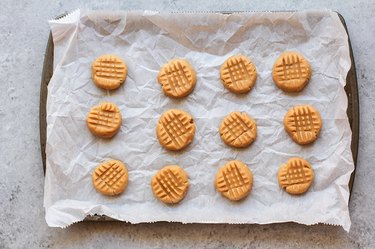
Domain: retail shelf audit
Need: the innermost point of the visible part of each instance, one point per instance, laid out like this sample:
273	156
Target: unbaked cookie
296	176
110	178
238	74
109	72
291	72
303	124
104	120
175	129
170	184
177	78
238	130
234	180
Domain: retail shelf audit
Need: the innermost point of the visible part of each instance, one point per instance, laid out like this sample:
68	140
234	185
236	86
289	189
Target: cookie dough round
177	78
238	74
170	184
110	178
175	129
296	176
109	72
291	72
238	129
104	120
303	124
234	180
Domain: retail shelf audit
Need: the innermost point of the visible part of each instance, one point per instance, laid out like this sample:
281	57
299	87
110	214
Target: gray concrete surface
23	36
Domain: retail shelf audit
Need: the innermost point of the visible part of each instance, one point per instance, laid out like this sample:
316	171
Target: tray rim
351	89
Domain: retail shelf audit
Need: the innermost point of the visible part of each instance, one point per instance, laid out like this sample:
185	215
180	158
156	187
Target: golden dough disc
238	74
291	72
110	178
104	120
238	130
303	124
170	184
175	129
234	180
177	78
109	72
296	176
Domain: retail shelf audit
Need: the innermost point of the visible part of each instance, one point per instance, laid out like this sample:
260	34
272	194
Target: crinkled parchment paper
147	40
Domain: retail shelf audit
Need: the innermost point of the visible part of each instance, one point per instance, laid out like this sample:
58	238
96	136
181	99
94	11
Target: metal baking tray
351	90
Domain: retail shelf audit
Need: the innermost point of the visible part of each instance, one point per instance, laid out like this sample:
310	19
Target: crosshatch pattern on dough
238	129
110	178
234	180
303	124
109	72
296	176
291	72
104	120
170	184
175	129
238	74
177	78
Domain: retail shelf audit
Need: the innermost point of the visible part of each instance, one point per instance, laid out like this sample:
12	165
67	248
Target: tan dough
238	74
175	129
238	130
110	178
104	120
291	72
303	124
170	184
234	180
109	72
296	176
177	78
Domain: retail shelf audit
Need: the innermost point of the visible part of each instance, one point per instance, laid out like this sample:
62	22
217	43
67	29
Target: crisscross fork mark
168	184
102	173
182	74
303	122
232	127
297	166
291	68
172	80
115	179
311	120
101	119
233	178
111	69
169	133
178	123
237	71
174	127
176	77
107	175
109	65
244	125
111	175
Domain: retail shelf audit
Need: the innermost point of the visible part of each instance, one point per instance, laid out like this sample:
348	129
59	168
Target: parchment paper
147	40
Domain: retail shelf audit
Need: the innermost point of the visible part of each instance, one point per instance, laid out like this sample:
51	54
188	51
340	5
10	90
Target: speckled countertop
23	36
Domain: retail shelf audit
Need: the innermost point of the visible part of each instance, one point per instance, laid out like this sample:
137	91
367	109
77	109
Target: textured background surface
23	36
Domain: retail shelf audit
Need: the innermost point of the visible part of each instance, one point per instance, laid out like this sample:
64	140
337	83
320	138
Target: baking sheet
265	103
